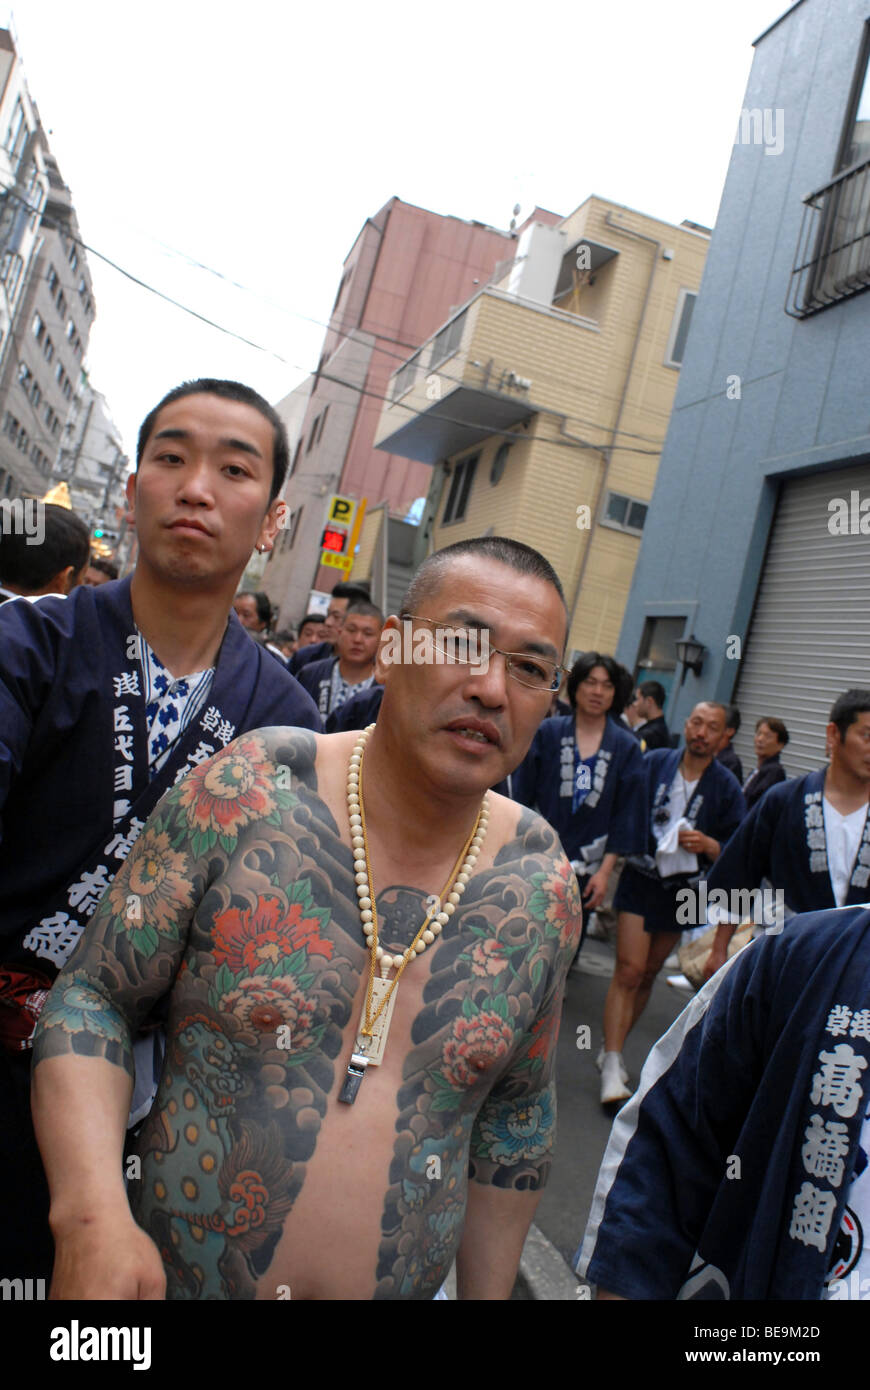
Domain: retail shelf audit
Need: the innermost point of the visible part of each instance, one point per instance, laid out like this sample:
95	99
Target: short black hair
732	718
776	726
264	607
285	635
514	554
27	565
847	707
311	618
653	690
623	685
352	592
365	609
228	391
104	566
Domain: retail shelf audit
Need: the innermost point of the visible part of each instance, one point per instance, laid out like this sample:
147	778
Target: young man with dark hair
106	700
300	1145
652	732
56	564
808	838
693	805
726	754
333	681
310	630
584	773
342	595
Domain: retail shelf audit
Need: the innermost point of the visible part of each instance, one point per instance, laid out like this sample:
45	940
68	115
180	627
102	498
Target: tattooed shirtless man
240	902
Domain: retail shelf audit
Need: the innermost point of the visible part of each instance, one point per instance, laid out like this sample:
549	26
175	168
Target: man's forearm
497	1221
80	1108
82	1083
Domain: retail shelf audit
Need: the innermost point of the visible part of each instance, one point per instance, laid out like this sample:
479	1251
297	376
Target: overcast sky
256	137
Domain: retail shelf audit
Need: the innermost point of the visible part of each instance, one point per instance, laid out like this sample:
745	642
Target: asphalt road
583	1127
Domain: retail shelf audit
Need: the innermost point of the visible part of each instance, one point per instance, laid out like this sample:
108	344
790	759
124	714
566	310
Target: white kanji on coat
837	1083
838	1020
54	939
120	845
860	1027
122	720
826	1145
124	778
813	817
89	889
811	1216
203	752
221	728
127	683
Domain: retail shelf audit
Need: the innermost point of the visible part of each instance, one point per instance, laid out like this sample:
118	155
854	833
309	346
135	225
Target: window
624	513
498	463
10	272
832	261
53	281
460	487
61	305
73	258
680	330
48	349
38	328
294	527
322	423
17	133
313	435
657	656
295	458
406	376
445	343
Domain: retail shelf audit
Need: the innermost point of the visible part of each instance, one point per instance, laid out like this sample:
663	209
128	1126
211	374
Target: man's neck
589	724
184	626
354	674
692	767
844	790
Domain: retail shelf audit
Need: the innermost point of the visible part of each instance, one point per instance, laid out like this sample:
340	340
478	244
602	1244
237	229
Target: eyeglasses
461	646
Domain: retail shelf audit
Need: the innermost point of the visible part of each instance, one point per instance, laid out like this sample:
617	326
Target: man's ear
274	521
130	491
389	648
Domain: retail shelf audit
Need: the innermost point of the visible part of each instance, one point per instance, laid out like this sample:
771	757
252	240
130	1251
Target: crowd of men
203	897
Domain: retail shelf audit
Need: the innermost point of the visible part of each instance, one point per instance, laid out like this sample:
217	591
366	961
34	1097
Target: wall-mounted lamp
691	653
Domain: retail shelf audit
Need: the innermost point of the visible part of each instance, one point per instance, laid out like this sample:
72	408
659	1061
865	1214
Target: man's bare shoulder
521	832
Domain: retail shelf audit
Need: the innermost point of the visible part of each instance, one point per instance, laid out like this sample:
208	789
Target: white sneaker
613	1088
623	1069
680	982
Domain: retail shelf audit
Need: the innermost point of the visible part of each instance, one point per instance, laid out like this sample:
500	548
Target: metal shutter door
809	639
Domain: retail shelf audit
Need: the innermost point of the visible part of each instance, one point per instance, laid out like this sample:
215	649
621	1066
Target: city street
583	1127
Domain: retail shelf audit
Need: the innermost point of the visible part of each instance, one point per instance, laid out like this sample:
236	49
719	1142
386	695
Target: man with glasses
283	1157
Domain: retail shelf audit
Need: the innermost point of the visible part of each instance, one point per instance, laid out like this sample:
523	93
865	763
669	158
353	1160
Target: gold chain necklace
374	1026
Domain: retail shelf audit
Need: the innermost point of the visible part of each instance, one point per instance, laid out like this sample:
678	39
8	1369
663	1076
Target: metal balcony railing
832	261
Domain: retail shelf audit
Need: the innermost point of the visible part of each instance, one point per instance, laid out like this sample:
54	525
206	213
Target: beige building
542	405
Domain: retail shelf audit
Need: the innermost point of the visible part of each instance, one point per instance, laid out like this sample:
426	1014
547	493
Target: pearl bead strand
434	923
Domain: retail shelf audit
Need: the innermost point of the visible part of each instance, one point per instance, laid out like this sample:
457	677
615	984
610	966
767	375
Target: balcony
832	261
475	376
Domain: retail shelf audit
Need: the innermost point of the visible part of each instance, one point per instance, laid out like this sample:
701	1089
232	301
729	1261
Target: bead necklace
371	1039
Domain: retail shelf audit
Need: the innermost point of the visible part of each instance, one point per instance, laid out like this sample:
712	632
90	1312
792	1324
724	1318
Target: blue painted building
753	542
